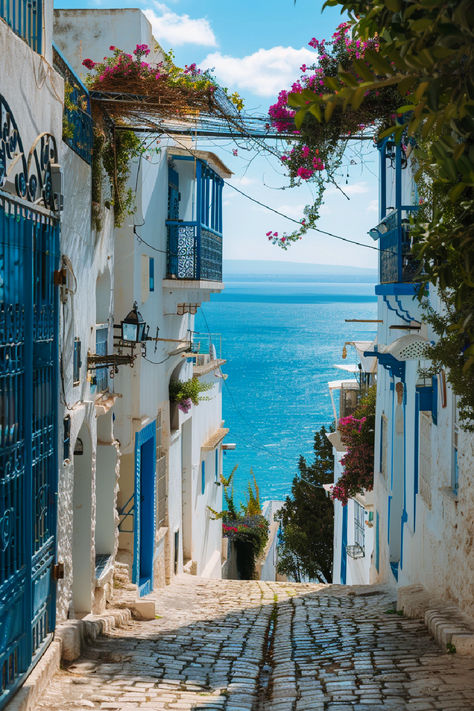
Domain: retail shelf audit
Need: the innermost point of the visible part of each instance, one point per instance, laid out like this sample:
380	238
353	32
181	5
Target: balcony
397	264
194	252
77	119
25	19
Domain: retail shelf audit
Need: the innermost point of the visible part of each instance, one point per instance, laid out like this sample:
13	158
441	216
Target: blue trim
377	541
434	404
410	289
403	309
343	546
394	569
404	512
396	311
76	76
151	274
388	361
203	477
217	464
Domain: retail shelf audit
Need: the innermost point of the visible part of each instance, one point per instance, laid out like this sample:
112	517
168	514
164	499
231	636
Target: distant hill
247	268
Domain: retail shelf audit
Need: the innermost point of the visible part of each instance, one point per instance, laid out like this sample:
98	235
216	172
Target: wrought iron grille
28	436
359	526
193	252
211	256
77	124
25	19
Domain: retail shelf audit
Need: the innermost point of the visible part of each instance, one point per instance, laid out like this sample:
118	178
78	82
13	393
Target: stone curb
443	620
70	637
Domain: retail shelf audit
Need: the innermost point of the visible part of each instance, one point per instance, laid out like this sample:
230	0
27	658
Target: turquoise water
281	340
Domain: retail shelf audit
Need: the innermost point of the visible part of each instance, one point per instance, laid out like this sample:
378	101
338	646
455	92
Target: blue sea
281	337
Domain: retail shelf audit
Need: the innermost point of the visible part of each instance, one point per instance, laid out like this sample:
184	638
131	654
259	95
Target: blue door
29	365
145	484
343	545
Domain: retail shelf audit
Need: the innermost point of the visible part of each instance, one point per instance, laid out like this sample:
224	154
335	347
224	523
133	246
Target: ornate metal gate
29	250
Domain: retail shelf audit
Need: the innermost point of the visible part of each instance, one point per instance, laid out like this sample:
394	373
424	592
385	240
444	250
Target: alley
256	646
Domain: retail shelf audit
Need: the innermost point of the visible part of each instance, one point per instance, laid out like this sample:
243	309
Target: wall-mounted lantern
133	327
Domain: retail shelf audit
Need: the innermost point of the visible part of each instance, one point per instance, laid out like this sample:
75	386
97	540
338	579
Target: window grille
359	525
77	362
161	491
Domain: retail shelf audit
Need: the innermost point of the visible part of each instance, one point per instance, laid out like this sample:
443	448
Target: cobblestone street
254	646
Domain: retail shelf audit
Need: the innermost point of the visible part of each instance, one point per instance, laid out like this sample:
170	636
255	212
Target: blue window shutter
151	274
203	477
217	464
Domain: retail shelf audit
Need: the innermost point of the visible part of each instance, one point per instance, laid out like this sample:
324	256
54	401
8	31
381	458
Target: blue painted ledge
410	289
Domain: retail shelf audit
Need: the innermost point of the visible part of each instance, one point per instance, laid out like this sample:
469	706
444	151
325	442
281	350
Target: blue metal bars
25	19
195	246
28	436
193	252
77	121
398	197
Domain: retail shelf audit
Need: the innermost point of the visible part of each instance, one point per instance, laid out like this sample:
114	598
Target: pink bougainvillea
357	434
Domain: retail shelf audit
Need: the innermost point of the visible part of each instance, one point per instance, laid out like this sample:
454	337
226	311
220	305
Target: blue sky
256	48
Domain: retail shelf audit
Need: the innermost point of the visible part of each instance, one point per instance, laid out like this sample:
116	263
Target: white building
421	509
424	460
168	260
353	541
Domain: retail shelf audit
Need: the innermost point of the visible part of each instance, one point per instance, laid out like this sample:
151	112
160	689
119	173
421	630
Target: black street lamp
134	329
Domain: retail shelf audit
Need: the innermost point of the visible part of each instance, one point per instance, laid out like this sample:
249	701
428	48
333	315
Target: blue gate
29	251
343	571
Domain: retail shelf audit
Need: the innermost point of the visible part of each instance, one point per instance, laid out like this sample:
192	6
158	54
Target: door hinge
58	571
59	277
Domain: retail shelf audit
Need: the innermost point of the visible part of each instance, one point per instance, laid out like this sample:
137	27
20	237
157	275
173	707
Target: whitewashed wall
438	532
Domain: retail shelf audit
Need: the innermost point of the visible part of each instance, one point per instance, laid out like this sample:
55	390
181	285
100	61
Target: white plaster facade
424	461
182	529
427	534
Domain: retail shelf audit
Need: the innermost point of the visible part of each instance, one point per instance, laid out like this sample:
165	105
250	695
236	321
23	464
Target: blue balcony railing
77	119
25	19
194	251
397	263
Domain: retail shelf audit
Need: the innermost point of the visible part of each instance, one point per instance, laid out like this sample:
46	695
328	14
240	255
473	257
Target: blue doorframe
343	545
145	507
29	364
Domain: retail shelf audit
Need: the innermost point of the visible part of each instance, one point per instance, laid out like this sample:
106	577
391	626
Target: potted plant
183	394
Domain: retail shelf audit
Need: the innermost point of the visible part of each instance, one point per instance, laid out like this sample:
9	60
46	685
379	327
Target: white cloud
373	206
350	190
295	211
175	30
265	72
242	181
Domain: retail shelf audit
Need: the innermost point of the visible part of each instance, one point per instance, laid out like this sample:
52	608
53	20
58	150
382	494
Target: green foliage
307	518
68	128
252	506
181	390
425	53
247	528
357	434
112	153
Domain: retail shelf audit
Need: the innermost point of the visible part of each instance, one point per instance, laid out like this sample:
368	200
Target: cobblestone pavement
256	646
